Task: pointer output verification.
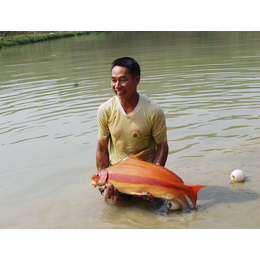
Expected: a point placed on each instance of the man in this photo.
(129, 122)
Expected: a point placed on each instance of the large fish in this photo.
(136, 177)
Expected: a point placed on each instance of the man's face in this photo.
(123, 83)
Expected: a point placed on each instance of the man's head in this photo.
(125, 76)
(129, 63)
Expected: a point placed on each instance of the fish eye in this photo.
(97, 174)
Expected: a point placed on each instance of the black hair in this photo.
(131, 65)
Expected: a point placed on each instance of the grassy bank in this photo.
(17, 38)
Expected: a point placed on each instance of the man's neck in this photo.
(129, 105)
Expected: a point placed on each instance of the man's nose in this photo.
(118, 84)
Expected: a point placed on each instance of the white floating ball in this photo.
(173, 204)
(237, 176)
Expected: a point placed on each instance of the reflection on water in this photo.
(208, 86)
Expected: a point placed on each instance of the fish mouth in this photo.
(93, 183)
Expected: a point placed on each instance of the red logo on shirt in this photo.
(135, 133)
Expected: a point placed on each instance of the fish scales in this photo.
(132, 166)
(136, 184)
(131, 184)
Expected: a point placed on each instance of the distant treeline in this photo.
(11, 38)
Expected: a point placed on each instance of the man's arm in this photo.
(102, 156)
(102, 159)
(161, 154)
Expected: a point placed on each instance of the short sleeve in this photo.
(102, 120)
(159, 127)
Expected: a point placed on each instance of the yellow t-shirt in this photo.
(131, 133)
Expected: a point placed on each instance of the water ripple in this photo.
(48, 130)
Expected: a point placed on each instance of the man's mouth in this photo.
(120, 92)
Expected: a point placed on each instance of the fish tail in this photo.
(193, 194)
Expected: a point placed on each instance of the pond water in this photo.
(208, 85)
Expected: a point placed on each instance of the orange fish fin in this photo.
(193, 194)
(106, 193)
(181, 198)
(143, 155)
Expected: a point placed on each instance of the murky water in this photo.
(207, 84)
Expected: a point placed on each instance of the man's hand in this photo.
(148, 196)
(112, 192)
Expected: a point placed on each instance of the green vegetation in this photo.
(16, 38)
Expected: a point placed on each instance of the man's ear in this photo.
(137, 79)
